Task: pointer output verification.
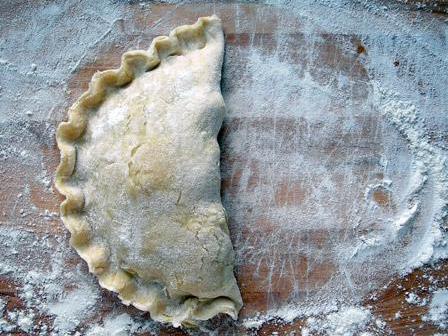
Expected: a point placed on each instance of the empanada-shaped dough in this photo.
(140, 172)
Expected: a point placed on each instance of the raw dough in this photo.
(140, 172)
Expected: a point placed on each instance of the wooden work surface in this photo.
(258, 191)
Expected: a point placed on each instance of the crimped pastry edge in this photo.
(132, 64)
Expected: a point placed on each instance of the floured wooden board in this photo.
(332, 159)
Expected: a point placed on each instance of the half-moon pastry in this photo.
(140, 172)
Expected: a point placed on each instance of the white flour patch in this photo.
(255, 322)
(5, 326)
(122, 325)
(414, 299)
(438, 309)
(337, 321)
(25, 321)
(67, 314)
(429, 163)
(3, 304)
(68, 297)
(347, 321)
(113, 325)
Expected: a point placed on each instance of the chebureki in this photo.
(140, 172)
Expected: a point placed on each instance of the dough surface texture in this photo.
(140, 172)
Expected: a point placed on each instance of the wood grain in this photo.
(294, 191)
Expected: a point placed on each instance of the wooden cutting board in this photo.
(261, 187)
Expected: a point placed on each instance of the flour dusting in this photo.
(114, 326)
(122, 325)
(333, 162)
(429, 163)
(85, 299)
(347, 321)
(438, 309)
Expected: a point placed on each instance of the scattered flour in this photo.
(33, 96)
(6, 326)
(3, 304)
(438, 309)
(123, 325)
(255, 322)
(414, 235)
(113, 326)
(430, 163)
(25, 321)
(67, 314)
(414, 299)
(347, 321)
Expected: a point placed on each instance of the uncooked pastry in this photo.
(140, 172)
